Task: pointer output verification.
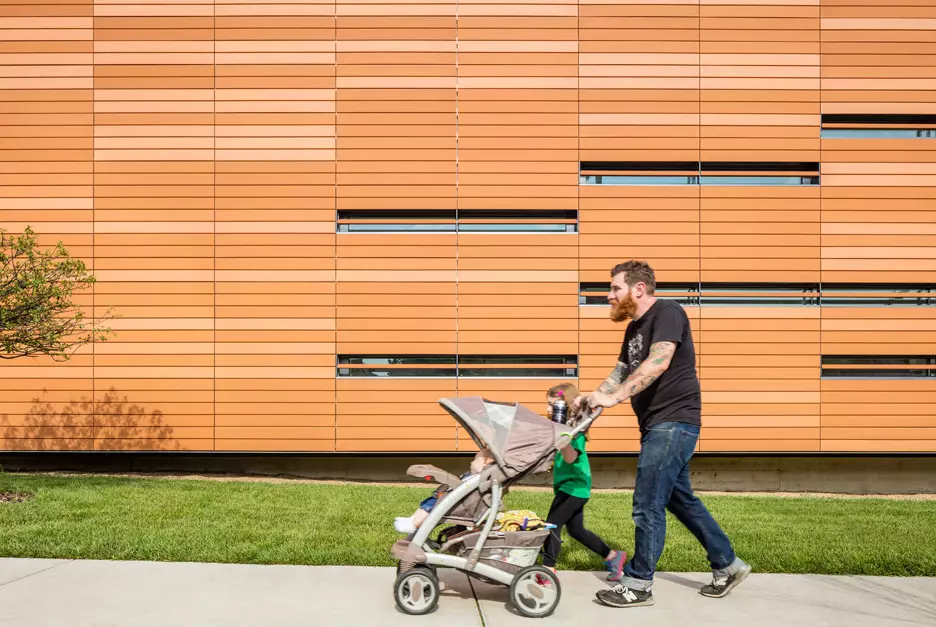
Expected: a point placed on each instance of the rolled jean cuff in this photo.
(641, 585)
(732, 568)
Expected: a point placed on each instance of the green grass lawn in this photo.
(301, 523)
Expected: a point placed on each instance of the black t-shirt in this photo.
(676, 395)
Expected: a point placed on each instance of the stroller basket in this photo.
(510, 551)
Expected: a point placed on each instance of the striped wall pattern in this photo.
(197, 155)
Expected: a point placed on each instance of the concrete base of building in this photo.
(748, 473)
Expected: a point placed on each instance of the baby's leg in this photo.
(420, 517)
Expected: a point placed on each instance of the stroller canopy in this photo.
(516, 436)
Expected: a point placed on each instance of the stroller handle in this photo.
(585, 423)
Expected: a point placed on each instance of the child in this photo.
(482, 460)
(572, 489)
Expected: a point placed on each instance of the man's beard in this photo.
(624, 309)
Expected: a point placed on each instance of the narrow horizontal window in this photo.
(796, 294)
(517, 359)
(880, 119)
(639, 173)
(683, 293)
(518, 366)
(878, 367)
(760, 294)
(451, 366)
(643, 179)
(452, 221)
(879, 125)
(396, 221)
(878, 295)
(624, 167)
(759, 173)
(396, 366)
(878, 133)
(759, 181)
(753, 173)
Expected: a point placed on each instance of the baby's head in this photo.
(567, 392)
(481, 460)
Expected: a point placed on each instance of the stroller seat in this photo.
(469, 510)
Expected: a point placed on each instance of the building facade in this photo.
(315, 219)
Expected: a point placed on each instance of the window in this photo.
(683, 293)
(760, 180)
(779, 294)
(760, 294)
(396, 366)
(518, 366)
(878, 133)
(878, 367)
(452, 221)
(619, 179)
(878, 295)
(750, 173)
(759, 173)
(878, 126)
(451, 366)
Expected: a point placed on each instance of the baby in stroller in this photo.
(409, 524)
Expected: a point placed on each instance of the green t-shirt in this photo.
(574, 479)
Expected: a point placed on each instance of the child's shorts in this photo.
(430, 502)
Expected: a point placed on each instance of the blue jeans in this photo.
(663, 483)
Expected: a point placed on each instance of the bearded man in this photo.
(657, 373)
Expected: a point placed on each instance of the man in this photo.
(656, 372)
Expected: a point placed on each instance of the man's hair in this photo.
(636, 272)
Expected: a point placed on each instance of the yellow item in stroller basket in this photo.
(518, 520)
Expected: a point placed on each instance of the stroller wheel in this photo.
(535, 592)
(416, 591)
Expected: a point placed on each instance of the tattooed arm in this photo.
(651, 369)
(613, 382)
(610, 394)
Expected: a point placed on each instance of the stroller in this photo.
(522, 443)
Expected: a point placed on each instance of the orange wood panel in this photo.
(275, 143)
(739, 216)
(399, 408)
(154, 175)
(46, 178)
(666, 219)
(492, 265)
(395, 79)
(759, 70)
(857, 39)
(747, 409)
(639, 81)
(517, 104)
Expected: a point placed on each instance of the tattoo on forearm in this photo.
(613, 382)
(650, 370)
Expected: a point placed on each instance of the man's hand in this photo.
(600, 399)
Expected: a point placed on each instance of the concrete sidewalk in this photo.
(63, 593)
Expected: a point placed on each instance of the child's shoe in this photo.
(404, 524)
(616, 565)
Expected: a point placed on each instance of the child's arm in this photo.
(569, 454)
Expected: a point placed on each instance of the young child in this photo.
(410, 524)
(572, 489)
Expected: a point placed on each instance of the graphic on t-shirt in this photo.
(634, 350)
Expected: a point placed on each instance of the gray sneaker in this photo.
(721, 586)
(622, 596)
